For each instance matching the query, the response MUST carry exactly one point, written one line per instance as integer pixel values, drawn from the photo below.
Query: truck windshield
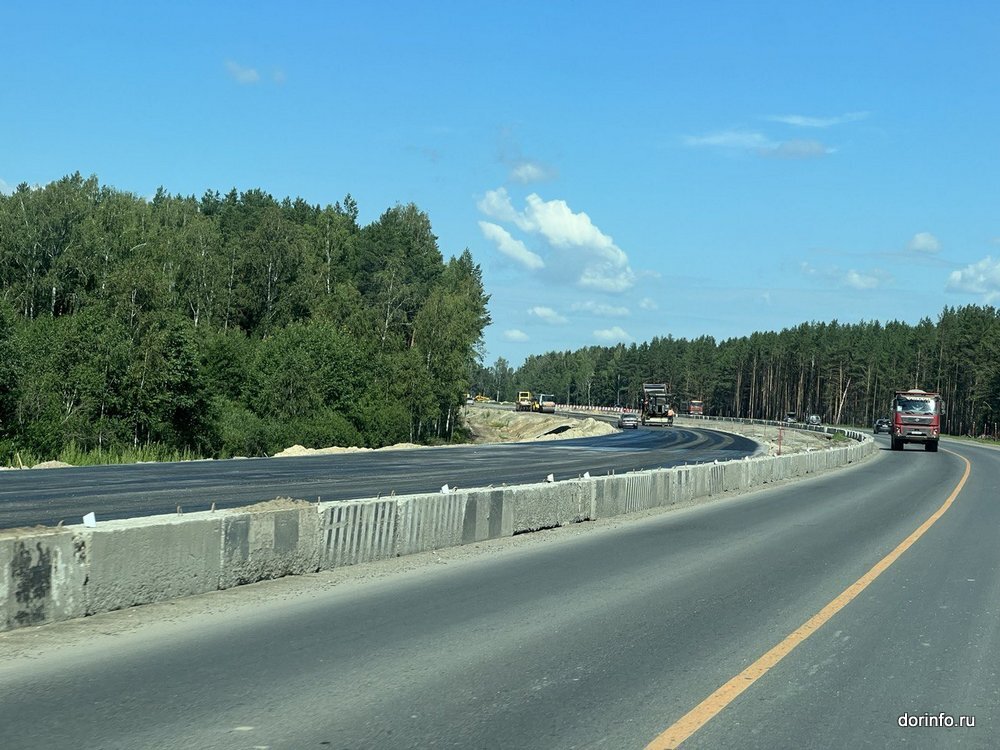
(915, 405)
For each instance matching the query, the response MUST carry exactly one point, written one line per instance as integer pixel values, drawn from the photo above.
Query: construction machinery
(656, 409)
(547, 403)
(526, 402)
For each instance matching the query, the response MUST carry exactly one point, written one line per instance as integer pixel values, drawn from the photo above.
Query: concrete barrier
(41, 579)
(128, 563)
(47, 575)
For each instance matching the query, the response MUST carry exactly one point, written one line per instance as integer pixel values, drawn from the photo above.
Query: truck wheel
(897, 444)
(932, 447)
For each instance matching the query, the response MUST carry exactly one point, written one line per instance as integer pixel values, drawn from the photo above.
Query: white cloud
(804, 121)
(496, 204)
(597, 262)
(760, 144)
(797, 149)
(242, 74)
(859, 280)
(853, 278)
(548, 315)
(527, 172)
(278, 76)
(601, 308)
(737, 139)
(514, 334)
(615, 333)
(924, 242)
(982, 277)
(647, 303)
(5, 189)
(510, 247)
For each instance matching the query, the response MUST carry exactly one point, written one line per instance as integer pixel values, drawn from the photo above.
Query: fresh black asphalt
(583, 640)
(46, 497)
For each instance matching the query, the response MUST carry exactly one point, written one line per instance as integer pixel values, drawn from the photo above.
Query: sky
(620, 171)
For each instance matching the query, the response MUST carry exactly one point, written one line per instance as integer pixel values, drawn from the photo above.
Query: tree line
(232, 324)
(846, 373)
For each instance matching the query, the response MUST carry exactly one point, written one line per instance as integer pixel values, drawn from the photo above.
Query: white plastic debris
(550, 478)
(586, 475)
(90, 520)
(445, 489)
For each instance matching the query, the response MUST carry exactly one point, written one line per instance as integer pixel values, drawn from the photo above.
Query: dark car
(628, 421)
(882, 425)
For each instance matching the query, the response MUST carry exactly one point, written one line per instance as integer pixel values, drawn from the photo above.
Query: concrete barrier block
(430, 521)
(269, 543)
(42, 577)
(534, 507)
(357, 531)
(151, 559)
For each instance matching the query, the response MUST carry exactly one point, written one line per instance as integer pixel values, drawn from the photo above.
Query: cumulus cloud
(510, 247)
(646, 303)
(497, 205)
(597, 261)
(548, 315)
(615, 333)
(601, 308)
(804, 121)
(5, 189)
(242, 74)
(514, 334)
(873, 279)
(526, 172)
(760, 144)
(523, 169)
(982, 278)
(924, 242)
(860, 280)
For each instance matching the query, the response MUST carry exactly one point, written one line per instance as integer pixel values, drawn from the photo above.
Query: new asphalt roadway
(52, 495)
(604, 635)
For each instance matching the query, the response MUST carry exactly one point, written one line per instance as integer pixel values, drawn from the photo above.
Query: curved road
(49, 496)
(595, 636)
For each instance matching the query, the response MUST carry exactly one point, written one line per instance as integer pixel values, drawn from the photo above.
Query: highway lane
(48, 496)
(582, 637)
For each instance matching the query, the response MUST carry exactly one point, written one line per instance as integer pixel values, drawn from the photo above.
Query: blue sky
(620, 171)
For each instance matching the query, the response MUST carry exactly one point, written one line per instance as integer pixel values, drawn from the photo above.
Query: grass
(76, 456)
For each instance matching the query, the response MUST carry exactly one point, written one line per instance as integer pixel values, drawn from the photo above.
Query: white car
(628, 421)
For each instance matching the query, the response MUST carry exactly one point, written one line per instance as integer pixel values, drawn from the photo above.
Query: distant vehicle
(470, 401)
(547, 403)
(696, 408)
(656, 409)
(916, 418)
(790, 417)
(526, 402)
(628, 421)
(814, 419)
(882, 425)
(481, 399)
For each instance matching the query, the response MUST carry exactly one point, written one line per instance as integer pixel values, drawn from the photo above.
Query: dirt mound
(498, 426)
(299, 450)
(51, 465)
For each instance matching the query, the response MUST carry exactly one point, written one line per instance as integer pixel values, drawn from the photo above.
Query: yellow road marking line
(701, 714)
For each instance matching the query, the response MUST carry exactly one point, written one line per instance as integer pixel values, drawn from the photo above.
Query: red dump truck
(916, 418)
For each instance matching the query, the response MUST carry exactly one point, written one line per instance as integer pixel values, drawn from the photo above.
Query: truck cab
(916, 418)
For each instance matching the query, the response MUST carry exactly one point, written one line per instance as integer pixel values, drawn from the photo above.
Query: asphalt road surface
(49, 496)
(600, 635)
